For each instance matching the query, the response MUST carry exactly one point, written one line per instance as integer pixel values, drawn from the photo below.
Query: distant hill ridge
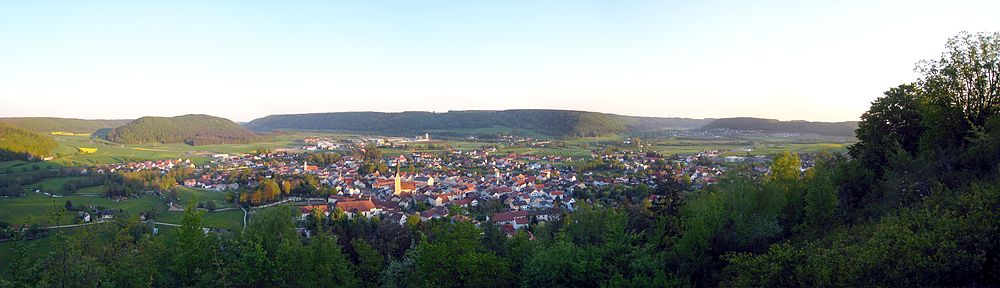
(549, 122)
(823, 128)
(204, 129)
(189, 129)
(72, 125)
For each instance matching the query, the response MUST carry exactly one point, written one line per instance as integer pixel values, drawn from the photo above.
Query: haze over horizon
(244, 60)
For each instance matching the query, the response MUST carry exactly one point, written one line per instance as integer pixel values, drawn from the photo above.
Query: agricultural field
(33, 208)
(82, 151)
(76, 150)
(187, 195)
(53, 185)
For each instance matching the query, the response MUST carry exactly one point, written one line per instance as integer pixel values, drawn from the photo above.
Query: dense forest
(189, 129)
(21, 144)
(823, 128)
(50, 124)
(559, 123)
(916, 202)
(548, 122)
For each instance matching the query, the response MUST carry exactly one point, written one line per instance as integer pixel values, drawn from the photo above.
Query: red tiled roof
(360, 206)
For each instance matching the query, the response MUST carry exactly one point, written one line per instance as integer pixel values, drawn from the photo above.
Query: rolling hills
(71, 125)
(189, 129)
(22, 144)
(548, 122)
(560, 123)
(204, 129)
(770, 125)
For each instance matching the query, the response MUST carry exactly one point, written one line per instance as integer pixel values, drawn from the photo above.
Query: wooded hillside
(823, 128)
(548, 122)
(21, 144)
(189, 129)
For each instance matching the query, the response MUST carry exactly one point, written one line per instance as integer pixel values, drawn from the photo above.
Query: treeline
(323, 159)
(13, 184)
(71, 125)
(188, 129)
(133, 183)
(548, 122)
(343, 252)
(845, 129)
(21, 144)
(919, 204)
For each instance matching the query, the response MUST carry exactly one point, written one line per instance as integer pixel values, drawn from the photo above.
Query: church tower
(398, 184)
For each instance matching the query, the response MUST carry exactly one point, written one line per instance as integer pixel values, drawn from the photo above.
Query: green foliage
(457, 258)
(324, 159)
(892, 121)
(191, 247)
(21, 144)
(944, 241)
(921, 194)
(739, 214)
(820, 199)
(369, 263)
(190, 129)
(965, 77)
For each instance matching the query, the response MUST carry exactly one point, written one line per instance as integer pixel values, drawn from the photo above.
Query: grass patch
(32, 208)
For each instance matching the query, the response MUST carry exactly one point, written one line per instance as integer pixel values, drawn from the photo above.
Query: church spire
(398, 184)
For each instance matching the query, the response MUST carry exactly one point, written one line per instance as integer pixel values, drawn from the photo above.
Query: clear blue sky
(812, 60)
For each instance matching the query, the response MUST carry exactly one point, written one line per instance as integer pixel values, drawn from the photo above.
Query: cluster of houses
(529, 187)
(149, 165)
(319, 143)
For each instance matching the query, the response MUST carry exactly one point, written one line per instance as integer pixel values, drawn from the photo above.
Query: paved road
(69, 226)
(98, 222)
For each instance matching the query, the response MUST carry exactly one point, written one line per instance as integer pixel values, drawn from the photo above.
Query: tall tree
(967, 75)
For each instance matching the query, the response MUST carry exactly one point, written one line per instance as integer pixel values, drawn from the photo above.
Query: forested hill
(22, 144)
(72, 125)
(823, 128)
(548, 122)
(189, 129)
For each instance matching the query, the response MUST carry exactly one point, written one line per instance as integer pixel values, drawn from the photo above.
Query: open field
(33, 208)
(69, 153)
(188, 194)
